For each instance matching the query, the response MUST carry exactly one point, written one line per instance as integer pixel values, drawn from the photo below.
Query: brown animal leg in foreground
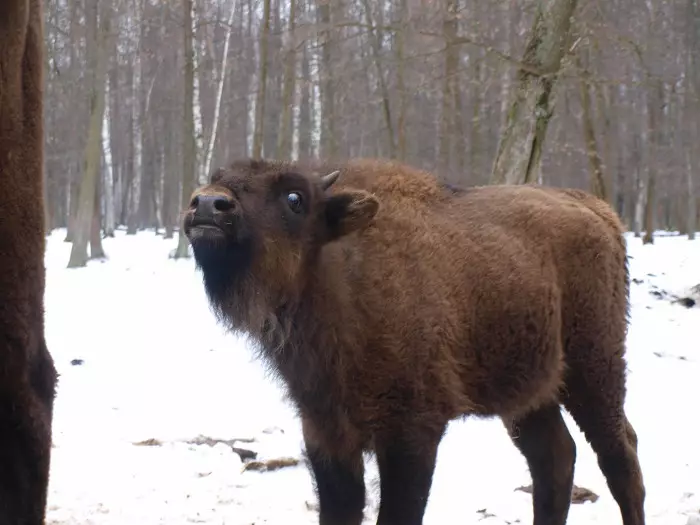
(340, 486)
(600, 415)
(27, 374)
(25, 444)
(406, 466)
(550, 451)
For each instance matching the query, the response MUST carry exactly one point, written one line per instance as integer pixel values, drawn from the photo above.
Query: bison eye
(294, 201)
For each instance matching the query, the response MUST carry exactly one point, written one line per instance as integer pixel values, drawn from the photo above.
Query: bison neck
(324, 343)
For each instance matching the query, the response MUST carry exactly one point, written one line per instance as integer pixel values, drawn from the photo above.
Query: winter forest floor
(157, 374)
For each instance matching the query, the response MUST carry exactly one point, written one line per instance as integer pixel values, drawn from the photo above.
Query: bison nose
(210, 205)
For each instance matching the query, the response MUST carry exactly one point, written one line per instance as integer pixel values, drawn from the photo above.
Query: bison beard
(390, 304)
(27, 373)
(223, 265)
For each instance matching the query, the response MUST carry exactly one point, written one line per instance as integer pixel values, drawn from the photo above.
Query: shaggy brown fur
(27, 375)
(390, 305)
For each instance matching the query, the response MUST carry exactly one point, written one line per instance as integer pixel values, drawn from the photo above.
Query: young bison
(390, 306)
(27, 374)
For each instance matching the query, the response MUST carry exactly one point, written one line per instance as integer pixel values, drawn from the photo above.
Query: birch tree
(136, 120)
(197, 103)
(188, 140)
(108, 184)
(219, 92)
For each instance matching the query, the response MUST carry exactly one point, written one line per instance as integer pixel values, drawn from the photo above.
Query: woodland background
(144, 97)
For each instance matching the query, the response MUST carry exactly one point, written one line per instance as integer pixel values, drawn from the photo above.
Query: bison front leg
(406, 465)
(340, 486)
(339, 476)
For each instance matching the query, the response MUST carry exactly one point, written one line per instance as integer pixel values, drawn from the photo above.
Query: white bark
(692, 211)
(136, 117)
(316, 109)
(198, 133)
(220, 89)
(160, 178)
(639, 207)
(108, 185)
(296, 116)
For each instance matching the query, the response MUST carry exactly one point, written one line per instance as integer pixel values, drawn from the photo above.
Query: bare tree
(262, 83)
(188, 140)
(520, 148)
(88, 186)
(598, 186)
(219, 92)
(329, 145)
(284, 137)
(440, 85)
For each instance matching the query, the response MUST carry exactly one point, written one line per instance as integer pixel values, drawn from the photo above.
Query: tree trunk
(74, 162)
(286, 132)
(305, 105)
(375, 44)
(197, 52)
(401, 80)
(449, 87)
(692, 104)
(170, 183)
(96, 249)
(476, 139)
(262, 81)
(520, 147)
(606, 106)
(188, 146)
(329, 146)
(640, 196)
(88, 186)
(597, 181)
(655, 100)
(219, 92)
(108, 184)
(137, 122)
(692, 212)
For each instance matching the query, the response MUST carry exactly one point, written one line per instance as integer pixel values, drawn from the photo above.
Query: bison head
(258, 228)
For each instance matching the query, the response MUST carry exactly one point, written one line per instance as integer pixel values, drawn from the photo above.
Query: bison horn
(328, 180)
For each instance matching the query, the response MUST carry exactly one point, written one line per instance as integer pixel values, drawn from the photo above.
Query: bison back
(477, 300)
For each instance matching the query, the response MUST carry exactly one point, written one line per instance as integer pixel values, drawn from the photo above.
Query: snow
(157, 366)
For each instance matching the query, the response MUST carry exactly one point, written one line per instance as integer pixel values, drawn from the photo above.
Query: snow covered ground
(157, 367)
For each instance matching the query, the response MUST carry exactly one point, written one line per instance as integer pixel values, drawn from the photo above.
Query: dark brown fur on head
(390, 304)
(255, 250)
(27, 374)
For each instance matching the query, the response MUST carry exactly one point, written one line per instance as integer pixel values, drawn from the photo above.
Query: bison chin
(222, 260)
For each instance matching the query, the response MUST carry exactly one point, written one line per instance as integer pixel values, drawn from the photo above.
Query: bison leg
(406, 465)
(550, 451)
(340, 486)
(596, 404)
(25, 443)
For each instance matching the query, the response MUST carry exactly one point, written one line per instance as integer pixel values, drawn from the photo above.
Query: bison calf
(390, 305)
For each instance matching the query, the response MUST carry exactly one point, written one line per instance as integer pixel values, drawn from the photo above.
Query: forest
(144, 98)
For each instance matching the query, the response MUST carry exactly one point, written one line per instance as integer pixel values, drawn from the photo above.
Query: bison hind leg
(542, 437)
(595, 398)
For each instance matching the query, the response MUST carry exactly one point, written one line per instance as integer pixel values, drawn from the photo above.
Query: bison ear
(349, 211)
